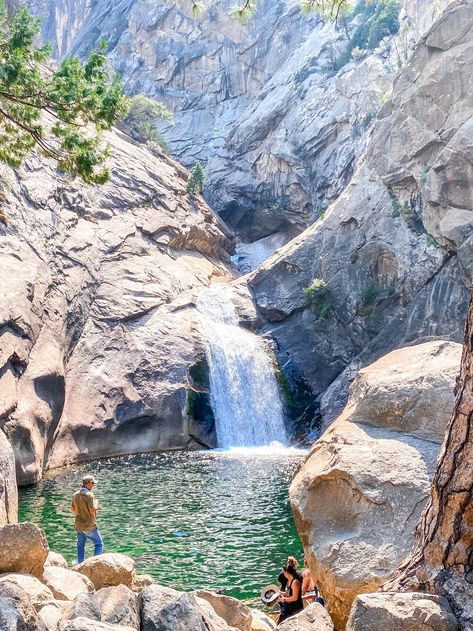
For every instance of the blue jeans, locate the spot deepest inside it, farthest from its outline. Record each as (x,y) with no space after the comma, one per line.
(94,536)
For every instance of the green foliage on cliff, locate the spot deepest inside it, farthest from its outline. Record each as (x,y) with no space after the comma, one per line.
(195,184)
(377,19)
(317,293)
(142,117)
(61,113)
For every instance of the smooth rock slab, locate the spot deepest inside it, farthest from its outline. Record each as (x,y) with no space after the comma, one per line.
(23,548)
(233,611)
(109,569)
(165,609)
(119,605)
(312,618)
(66,584)
(401,612)
(398,391)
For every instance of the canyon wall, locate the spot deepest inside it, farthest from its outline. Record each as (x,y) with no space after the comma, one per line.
(98,330)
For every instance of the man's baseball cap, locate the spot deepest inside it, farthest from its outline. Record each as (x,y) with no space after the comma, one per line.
(87,479)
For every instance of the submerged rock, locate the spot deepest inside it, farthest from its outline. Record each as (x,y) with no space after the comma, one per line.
(23,548)
(402,612)
(360,493)
(108,569)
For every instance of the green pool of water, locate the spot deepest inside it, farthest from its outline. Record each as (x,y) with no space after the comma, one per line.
(217,520)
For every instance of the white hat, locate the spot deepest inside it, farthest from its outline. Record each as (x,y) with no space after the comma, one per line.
(270,594)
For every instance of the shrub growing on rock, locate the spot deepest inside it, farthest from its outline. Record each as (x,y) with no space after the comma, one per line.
(142,117)
(195,183)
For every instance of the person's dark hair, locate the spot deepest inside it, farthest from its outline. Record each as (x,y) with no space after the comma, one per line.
(291,570)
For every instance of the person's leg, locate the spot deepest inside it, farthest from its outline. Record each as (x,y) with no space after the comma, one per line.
(95,537)
(81,539)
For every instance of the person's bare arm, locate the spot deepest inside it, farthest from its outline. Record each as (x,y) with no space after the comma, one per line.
(305,583)
(295,593)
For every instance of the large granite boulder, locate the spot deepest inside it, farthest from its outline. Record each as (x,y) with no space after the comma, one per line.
(119,605)
(84,605)
(261,621)
(51,615)
(165,609)
(12,585)
(232,610)
(312,618)
(23,548)
(108,569)
(401,612)
(361,491)
(66,584)
(19,615)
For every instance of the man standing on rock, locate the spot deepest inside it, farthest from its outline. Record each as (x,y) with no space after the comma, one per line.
(84,506)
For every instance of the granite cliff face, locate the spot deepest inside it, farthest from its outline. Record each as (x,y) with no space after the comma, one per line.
(289,142)
(394,249)
(278,129)
(97,324)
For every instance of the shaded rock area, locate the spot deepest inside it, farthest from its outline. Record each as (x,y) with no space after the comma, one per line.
(360,493)
(402,612)
(119,605)
(98,333)
(8,490)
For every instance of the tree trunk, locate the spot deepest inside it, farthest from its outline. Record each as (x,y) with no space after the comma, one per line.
(442,559)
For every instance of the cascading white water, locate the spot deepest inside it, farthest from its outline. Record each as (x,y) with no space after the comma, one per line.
(243,389)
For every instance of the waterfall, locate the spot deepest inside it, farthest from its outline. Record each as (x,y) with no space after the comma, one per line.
(244,392)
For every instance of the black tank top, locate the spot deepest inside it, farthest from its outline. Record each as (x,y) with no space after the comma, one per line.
(297,605)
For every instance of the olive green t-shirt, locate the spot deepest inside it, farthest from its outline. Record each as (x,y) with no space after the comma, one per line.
(82,502)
